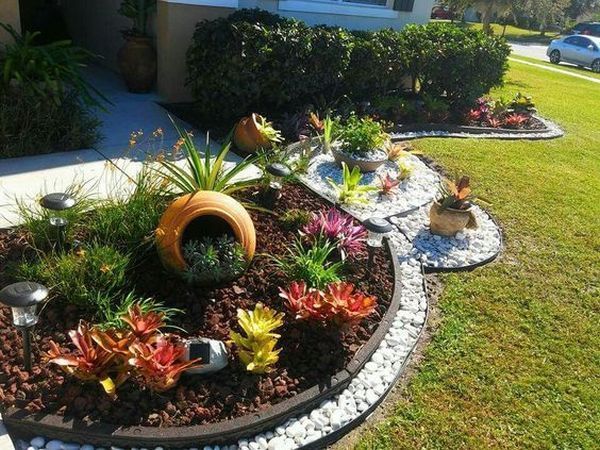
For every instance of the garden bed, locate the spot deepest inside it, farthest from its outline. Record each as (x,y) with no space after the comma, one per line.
(315,361)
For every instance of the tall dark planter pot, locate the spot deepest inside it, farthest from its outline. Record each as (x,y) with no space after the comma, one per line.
(137,62)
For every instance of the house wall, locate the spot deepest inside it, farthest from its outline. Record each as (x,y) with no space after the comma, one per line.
(9,14)
(96,25)
(176,21)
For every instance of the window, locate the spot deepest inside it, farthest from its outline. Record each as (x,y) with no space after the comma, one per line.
(571,40)
(362,8)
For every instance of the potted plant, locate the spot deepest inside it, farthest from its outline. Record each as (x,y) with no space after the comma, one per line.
(361,143)
(254,133)
(137,57)
(452,212)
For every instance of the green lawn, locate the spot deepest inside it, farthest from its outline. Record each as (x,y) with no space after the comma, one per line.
(512,33)
(515,363)
(563,66)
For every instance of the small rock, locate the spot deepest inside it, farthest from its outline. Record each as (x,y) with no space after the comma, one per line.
(54,445)
(38,442)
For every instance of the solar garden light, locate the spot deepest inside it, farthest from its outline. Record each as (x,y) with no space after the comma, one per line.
(278,171)
(23,299)
(58,201)
(377,228)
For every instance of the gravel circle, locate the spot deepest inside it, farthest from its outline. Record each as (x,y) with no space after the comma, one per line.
(419,189)
(466,249)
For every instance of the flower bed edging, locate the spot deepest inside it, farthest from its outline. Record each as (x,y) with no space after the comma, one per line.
(415,131)
(22,423)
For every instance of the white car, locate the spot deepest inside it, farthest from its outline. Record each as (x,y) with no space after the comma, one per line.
(576,49)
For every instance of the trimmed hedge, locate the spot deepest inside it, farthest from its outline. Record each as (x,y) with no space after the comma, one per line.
(257,61)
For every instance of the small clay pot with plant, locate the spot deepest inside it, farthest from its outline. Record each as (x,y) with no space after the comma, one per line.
(137,57)
(452,212)
(361,143)
(255,133)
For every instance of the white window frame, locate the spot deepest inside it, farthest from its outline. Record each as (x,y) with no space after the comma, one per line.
(339,7)
(218,3)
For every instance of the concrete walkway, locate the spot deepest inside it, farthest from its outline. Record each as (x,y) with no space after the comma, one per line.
(29,177)
(554,69)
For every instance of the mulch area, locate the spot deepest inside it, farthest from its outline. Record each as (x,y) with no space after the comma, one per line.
(311,353)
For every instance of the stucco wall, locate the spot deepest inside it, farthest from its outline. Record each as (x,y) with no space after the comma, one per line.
(9,14)
(96,25)
(176,22)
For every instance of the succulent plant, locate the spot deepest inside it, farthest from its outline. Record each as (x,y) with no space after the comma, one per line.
(350,190)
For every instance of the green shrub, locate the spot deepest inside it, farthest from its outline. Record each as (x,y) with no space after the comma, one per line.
(31,124)
(459,63)
(254,61)
(81,277)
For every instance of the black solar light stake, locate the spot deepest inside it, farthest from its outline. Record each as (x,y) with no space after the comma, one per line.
(58,201)
(23,299)
(377,228)
(278,171)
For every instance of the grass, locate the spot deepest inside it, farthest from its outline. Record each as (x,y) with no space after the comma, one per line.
(563,66)
(514,363)
(513,33)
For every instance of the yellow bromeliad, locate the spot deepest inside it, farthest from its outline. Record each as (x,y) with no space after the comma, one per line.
(256,349)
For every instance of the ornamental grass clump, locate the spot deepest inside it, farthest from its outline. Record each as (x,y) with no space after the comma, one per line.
(256,348)
(339,302)
(138,350)
(338,229)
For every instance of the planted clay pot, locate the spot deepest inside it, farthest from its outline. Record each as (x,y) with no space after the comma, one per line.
(364,165)
(449,221)
(137,63)
(203,213)
(247,136)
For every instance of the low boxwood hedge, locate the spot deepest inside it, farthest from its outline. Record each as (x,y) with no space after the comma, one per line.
(257,61)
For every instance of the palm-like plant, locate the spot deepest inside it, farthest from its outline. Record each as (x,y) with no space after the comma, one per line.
(205,173)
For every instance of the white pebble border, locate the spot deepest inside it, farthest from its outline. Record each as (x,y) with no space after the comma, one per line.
(466,248)
(420,188)
(376,378)
(552,131)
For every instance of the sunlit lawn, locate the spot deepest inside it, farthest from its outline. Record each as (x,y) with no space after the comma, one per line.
(515,362)
(563,66)
(512,32)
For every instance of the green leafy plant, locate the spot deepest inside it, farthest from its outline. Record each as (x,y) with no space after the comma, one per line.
(294,219)
(138,11)
(361,135)
(52,71)
(405,170)
(256,349)
(522,104)
(80,276)
(311,263)
(395,108)
(213,261)
(350,190)
(435,109)
(327,130)
(205,173)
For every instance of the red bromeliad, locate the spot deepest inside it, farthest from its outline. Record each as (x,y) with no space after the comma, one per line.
(515,120)
(159,363)
(388,184)
(143,324)
(340,302)
(93,362)
(339,228)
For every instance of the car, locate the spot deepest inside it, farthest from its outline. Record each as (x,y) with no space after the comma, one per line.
(587,28)
(576,49)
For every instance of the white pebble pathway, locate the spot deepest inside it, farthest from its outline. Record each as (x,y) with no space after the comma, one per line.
(417,249)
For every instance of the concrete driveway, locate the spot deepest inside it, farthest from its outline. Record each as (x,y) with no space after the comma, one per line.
(536,51)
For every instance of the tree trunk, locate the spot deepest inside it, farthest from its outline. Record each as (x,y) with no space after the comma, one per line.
(486,17)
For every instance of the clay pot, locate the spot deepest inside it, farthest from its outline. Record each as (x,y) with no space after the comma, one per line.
(200,214)
(137,63)
(449,221)
(363,165)
(247,136)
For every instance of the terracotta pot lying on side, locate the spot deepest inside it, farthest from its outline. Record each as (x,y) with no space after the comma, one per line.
(363,165)
(449,221)
(184,210)
(247,136)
